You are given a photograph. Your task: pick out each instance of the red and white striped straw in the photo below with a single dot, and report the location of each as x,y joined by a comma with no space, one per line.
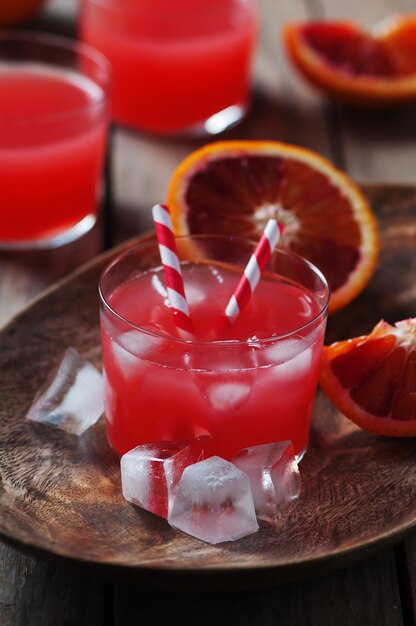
171,267
251,276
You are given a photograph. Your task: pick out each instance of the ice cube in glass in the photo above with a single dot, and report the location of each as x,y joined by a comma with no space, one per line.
72,398
213,502
274,477
228,396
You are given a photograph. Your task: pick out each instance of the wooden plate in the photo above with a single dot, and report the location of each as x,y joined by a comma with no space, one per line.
60,495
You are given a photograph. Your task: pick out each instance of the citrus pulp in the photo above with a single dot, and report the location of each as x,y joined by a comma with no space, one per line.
374,68
372,378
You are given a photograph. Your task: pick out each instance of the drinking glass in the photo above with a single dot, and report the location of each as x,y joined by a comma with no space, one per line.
54,110
180,66
257,388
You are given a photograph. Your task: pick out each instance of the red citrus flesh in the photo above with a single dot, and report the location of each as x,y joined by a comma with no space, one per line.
351,64
372,379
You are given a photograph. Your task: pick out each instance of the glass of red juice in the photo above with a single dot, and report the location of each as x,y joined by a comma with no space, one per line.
54,110
253,382
180,66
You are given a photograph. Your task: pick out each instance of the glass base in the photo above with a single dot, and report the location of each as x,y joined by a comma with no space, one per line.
75,232
214,125
219,122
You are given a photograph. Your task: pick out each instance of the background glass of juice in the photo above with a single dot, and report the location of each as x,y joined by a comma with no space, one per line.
254,383
180,66
54,113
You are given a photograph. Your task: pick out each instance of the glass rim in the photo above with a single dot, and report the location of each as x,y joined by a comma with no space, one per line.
79,49
216,343
140,10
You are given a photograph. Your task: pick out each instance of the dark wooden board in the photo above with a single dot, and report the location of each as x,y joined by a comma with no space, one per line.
366,593
60,496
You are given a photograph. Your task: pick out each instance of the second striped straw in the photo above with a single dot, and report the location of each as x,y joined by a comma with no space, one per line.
252,272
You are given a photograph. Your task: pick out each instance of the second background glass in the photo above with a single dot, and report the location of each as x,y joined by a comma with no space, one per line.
179,67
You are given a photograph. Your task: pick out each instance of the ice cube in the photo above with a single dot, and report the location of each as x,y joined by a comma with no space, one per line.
126,362
274,477
72,397
282,351
228,396
296,368
129,349
195,293
150,473
137,343
214,502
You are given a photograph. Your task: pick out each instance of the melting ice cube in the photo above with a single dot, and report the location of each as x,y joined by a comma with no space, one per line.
195,293
150,473
138,343
129,350
228,395
282,350
72,397
296,368
274,477
290,359
214,502
127,362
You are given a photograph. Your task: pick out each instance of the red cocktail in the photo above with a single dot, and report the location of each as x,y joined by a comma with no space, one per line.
53,123
178,66
255,384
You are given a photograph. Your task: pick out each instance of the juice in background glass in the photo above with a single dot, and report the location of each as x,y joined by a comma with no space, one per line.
179,65
53,124
255,386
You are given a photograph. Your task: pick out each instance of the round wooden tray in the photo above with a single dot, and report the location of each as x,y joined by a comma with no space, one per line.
60,495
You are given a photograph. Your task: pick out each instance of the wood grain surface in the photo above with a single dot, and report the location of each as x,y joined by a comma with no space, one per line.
61,494
333,599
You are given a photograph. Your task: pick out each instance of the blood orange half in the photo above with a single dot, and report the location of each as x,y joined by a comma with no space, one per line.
375,68
234,187
372,379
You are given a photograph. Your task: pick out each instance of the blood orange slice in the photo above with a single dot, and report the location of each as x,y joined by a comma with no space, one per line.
370,68
372,379
234,187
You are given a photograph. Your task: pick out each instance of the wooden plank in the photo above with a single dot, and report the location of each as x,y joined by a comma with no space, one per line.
14,568
24,274
406,568
364,595
34,593
367,13
410,550
285,108
377,146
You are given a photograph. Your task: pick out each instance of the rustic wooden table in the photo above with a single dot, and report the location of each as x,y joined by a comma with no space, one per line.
370,147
